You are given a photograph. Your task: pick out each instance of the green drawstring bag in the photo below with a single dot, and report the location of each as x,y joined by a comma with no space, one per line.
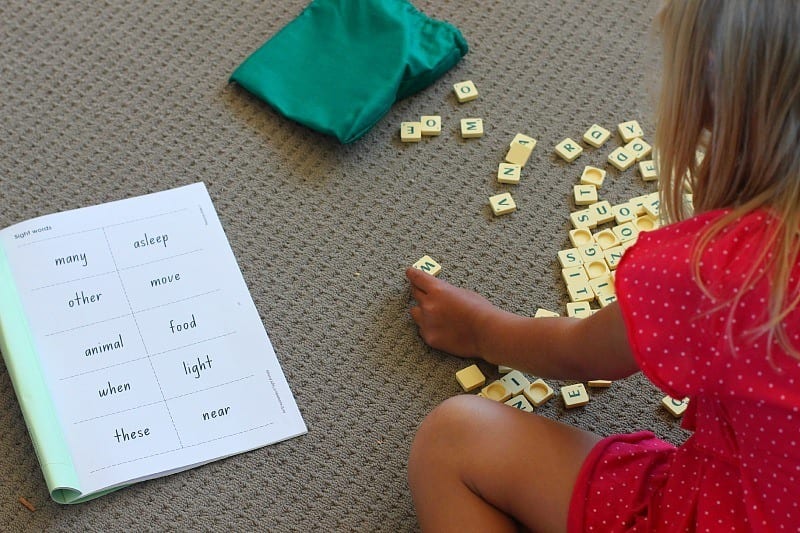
341,64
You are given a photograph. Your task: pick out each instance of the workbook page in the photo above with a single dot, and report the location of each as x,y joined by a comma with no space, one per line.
149,341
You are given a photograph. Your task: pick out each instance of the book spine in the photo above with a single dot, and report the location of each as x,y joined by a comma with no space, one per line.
35,400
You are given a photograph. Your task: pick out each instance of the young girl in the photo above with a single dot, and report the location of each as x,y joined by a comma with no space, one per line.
707,309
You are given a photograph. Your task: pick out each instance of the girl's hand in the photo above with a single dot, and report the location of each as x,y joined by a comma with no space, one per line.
449,318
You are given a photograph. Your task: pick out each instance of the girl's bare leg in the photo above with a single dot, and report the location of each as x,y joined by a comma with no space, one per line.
478,465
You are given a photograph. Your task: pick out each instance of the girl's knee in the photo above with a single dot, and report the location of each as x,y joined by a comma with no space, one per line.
439,435
464,425
452,417
451,425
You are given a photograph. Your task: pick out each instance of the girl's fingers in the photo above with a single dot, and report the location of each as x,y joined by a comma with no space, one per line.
419,279
416,314
416,293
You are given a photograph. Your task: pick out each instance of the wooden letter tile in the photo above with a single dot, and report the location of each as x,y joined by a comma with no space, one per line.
640,148
596,136
602,212
630,130
606,239
651,206
574,395
465,91
515,381
580,291
574,274
606,299
625,231
580,237
471,128
524,140
675,407
585,194
570,258
646,223
622,158
431,125
593,176
569,150
613,256
410,132
470,378
647,170
502,204
583,219
496,391
520,402
590,252
508,173
638,204
624,212
538,392
426,264
602,285
519,151
579,309
596,269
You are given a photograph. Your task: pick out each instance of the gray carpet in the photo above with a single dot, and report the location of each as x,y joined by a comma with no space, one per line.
105,100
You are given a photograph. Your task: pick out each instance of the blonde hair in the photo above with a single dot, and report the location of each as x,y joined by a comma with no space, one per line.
731,88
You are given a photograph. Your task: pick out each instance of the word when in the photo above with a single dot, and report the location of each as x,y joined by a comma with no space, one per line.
113,389
182,327
123,436
28,233
82,299
163,280
105,347
196,369
77,258
149,241
216,413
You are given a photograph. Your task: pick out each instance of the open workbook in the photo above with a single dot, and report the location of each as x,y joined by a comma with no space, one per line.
134,345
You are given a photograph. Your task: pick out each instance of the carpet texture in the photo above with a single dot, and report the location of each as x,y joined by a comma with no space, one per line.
105,100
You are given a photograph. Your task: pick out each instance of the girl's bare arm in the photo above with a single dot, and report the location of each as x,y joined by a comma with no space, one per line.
464,323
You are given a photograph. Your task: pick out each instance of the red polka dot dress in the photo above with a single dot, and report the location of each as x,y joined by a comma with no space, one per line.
740,469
